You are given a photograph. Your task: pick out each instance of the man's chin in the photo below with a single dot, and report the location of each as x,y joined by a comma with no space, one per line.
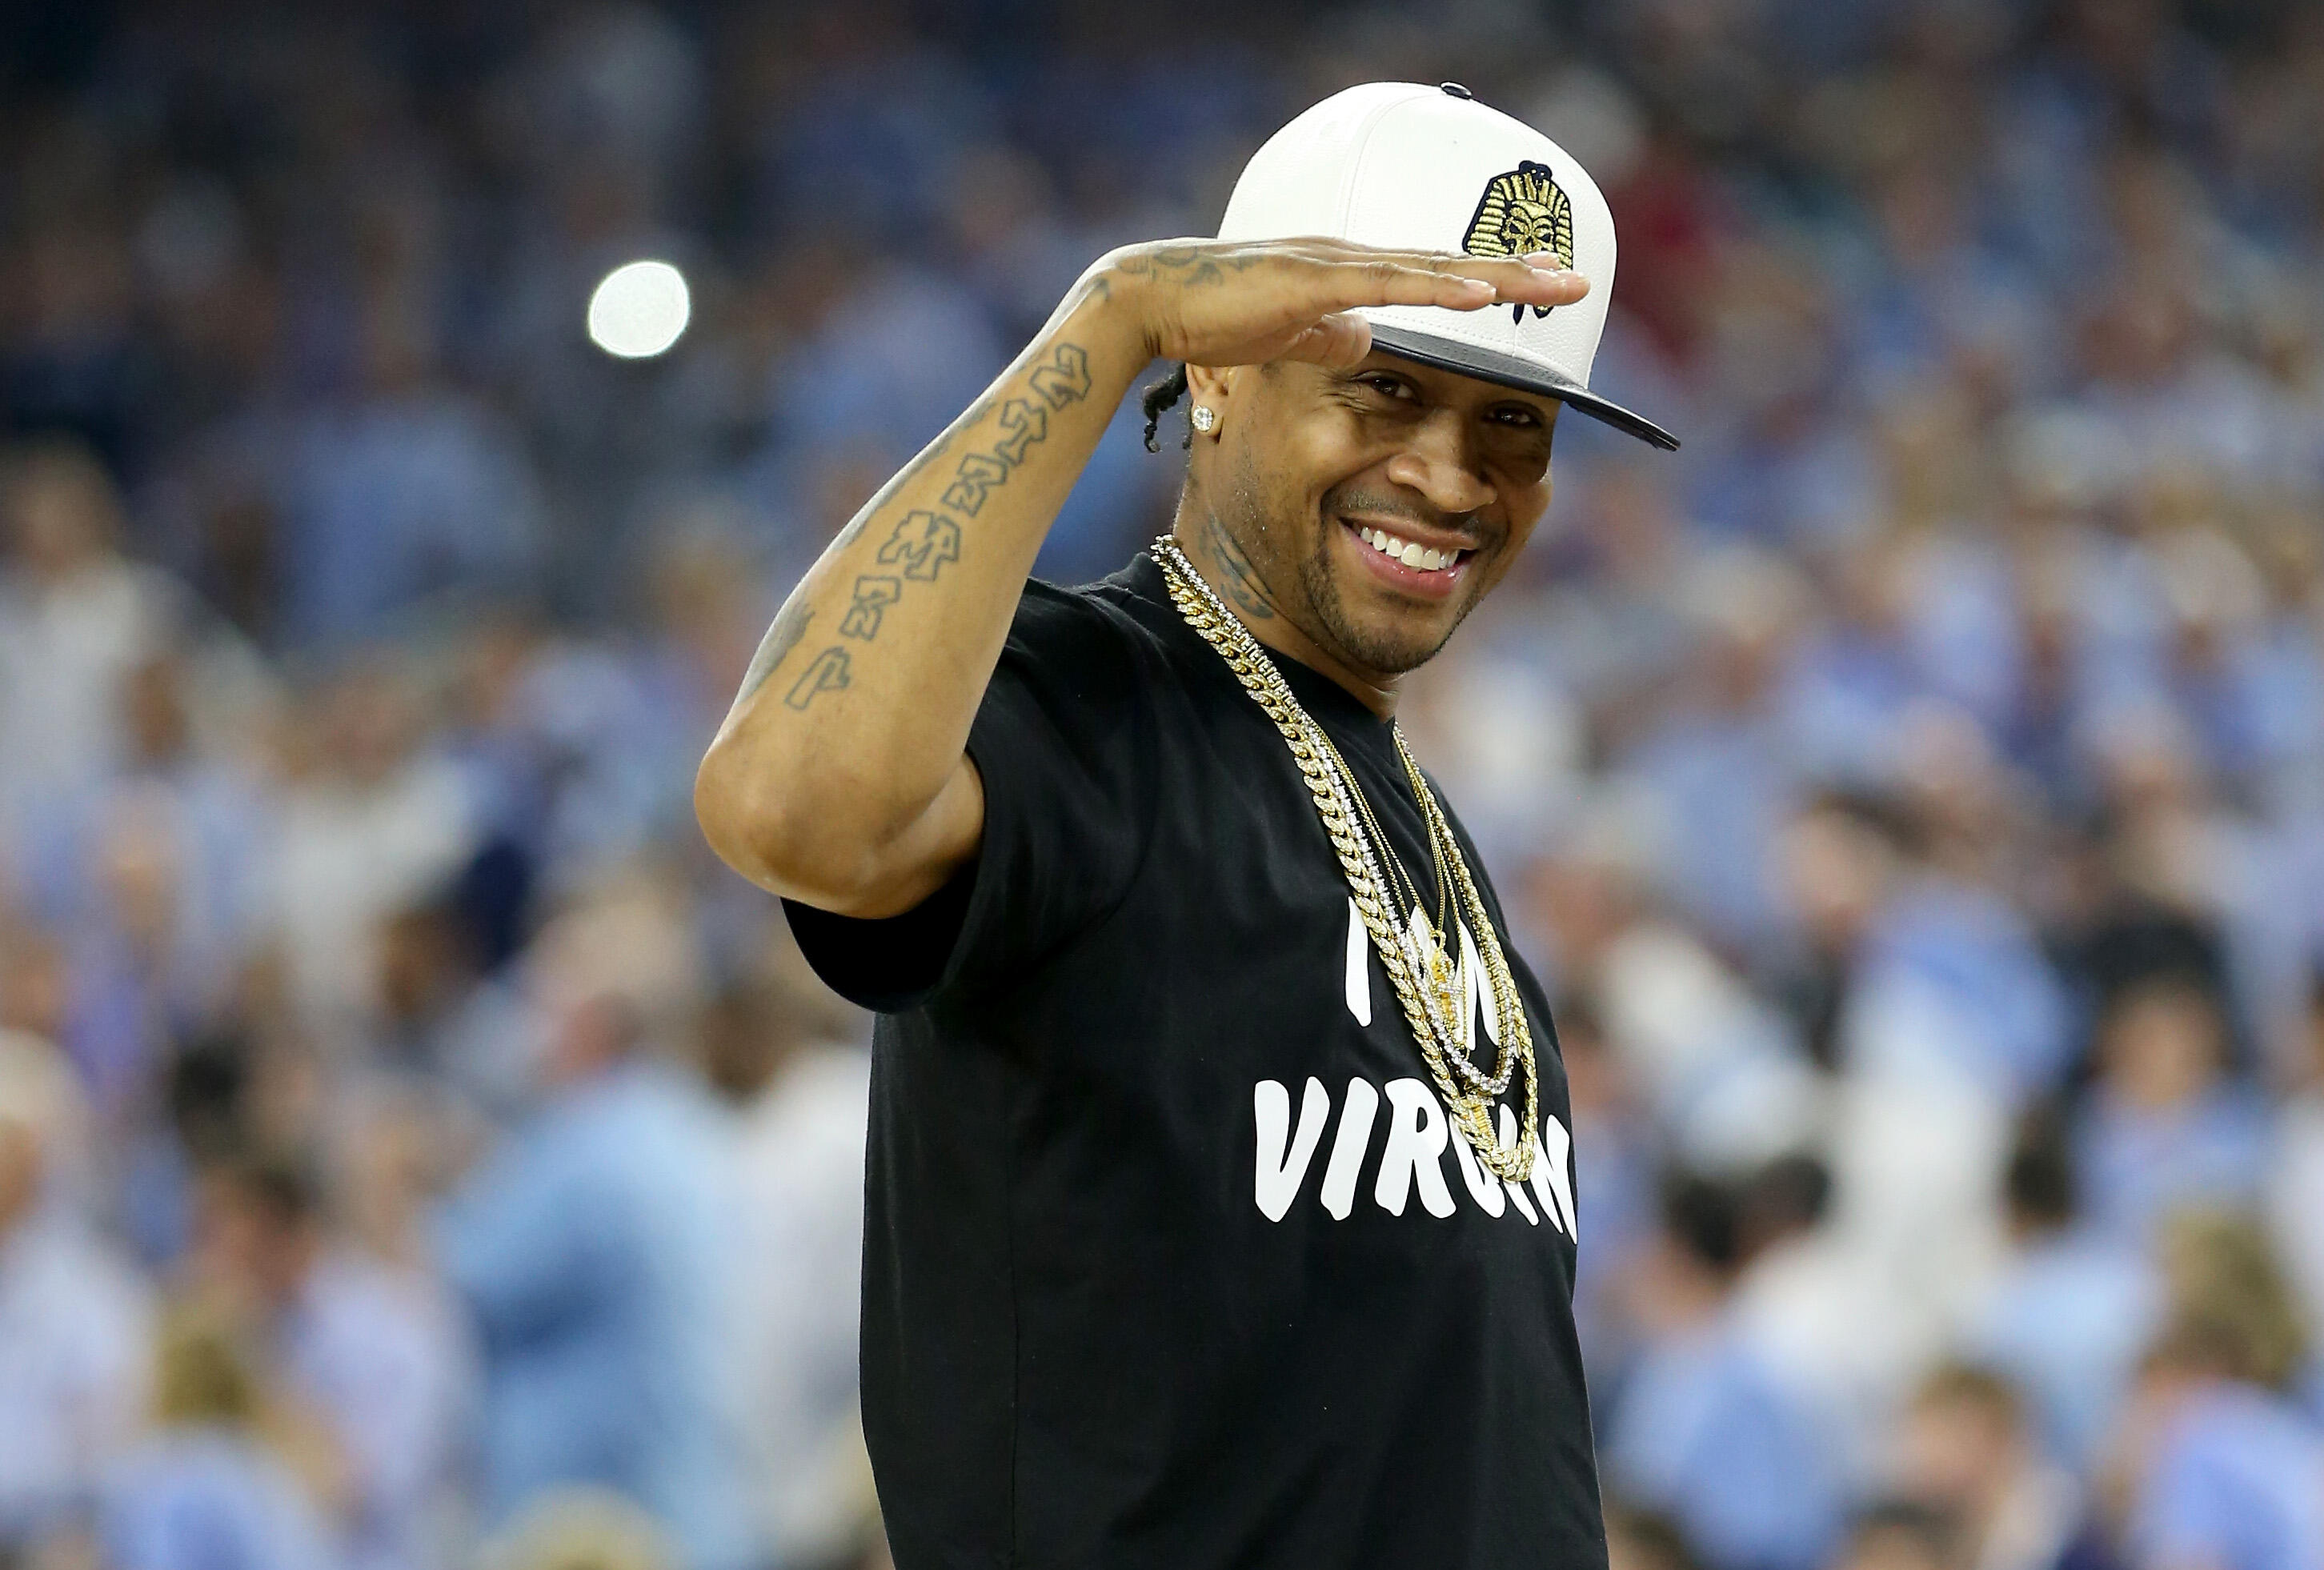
1376,632
1390,642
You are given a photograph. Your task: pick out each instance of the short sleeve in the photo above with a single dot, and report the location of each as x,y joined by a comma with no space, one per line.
1064,743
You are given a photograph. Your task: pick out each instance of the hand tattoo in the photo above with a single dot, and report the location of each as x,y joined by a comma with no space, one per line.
1190,267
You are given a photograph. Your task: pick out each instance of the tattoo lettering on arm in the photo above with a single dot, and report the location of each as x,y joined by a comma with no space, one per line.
927,459
827,674
789,626
874,593
927,538
1026,422
921,545
978,474
1065,379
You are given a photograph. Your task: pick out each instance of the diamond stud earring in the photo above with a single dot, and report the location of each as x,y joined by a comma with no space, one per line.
1203,417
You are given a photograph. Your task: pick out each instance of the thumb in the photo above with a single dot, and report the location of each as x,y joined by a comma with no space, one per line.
1340,340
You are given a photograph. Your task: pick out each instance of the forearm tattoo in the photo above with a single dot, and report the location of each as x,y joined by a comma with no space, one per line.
927,540
789,627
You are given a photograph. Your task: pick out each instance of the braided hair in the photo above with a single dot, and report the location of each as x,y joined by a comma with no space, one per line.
1159,398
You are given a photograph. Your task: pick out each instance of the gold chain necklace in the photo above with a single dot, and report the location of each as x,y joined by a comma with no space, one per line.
1428,976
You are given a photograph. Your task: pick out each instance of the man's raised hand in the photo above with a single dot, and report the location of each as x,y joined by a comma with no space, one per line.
1237,302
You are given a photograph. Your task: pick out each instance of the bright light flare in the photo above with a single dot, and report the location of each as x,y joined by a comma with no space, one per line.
640,309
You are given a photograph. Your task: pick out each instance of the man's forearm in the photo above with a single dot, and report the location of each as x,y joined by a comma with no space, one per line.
853,717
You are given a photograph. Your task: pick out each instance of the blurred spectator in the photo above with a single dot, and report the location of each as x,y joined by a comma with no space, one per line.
565,753
139,980
1639,1539
1814,1306
372,1351
1710,1058
1903,1535
2221,1272
372,816
1927,998
2166,1126
73,1318
2214,1469
2295,1194
2071,1307
1943,980
406,499
75,615
1721,766
170,774
802,1104
594,1248
441,1018
575,1529
1705,1430
1965,1448
156,875
203,1491
1614,1141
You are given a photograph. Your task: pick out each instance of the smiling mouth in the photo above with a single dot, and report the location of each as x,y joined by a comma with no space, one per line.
1409,553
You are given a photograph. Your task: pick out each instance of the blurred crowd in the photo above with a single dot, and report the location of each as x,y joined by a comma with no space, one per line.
416,1152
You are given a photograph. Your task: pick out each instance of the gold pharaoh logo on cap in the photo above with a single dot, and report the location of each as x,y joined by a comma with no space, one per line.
1523,213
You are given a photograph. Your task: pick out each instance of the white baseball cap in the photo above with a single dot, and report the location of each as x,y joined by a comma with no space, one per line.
1430,169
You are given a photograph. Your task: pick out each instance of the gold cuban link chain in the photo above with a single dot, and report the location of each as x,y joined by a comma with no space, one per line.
1418,960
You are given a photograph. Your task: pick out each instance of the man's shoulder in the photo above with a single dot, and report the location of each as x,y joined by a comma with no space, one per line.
1125,597
1104,633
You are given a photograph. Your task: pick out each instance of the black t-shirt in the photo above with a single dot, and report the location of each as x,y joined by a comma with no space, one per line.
1172,1258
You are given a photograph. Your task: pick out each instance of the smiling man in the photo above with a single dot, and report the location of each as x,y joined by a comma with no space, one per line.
1220,1204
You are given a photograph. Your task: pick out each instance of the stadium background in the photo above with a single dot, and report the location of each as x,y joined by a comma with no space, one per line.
415,1150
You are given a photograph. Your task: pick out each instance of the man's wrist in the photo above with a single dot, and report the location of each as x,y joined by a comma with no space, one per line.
1105,310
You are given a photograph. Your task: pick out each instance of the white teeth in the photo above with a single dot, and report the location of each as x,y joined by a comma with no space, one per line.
1403,550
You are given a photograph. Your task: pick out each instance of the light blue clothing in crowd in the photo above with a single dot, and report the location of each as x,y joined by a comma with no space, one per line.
397,503
74,1334
2237,1483
383,1356
1723,784
202,1499
2067,1322
2138,1166
1968,971
1705,1432
1844,701
591,1252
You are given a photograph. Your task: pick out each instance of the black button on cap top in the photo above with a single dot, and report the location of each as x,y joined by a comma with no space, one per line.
1456,89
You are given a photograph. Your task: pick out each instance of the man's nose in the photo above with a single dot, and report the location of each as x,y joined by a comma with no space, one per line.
1444,465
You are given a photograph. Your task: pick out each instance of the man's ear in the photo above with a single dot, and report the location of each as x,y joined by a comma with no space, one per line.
1213,384
1210,400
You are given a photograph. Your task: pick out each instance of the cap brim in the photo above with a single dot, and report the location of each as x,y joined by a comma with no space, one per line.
1508,371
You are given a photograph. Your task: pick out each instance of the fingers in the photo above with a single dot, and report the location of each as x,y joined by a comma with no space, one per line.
1295,298
1355,275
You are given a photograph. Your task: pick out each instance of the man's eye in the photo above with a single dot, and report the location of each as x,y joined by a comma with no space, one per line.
1388,387
1522,418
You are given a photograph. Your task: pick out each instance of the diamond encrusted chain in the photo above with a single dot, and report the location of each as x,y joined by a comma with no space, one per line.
1428,977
